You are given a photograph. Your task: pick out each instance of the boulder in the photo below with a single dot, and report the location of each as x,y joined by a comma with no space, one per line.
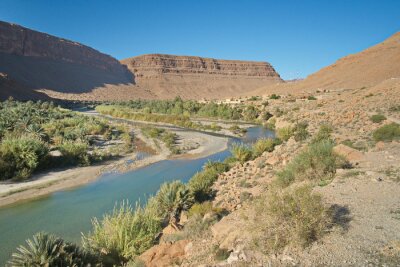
163,255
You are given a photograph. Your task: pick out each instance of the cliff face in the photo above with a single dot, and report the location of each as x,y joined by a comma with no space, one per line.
38,60
17,40
167,76
156,64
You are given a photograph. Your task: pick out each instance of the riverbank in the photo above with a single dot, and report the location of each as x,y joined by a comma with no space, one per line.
46,183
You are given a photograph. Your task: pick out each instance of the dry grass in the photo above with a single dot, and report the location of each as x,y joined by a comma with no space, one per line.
293,217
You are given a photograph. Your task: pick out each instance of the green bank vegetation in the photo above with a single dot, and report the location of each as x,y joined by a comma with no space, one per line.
169,138
38,135
290,214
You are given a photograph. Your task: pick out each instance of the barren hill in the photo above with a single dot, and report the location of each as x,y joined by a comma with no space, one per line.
197,77
365,69
166,76
37,60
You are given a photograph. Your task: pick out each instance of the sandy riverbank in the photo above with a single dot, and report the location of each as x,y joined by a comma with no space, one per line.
56,180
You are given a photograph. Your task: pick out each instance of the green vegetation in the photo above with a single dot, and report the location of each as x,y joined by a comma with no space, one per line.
317,163
178,120
167,137
123,234
300,131
185,108
324,133
274,96
377,118
284,133
388,132
292,217
30,132
241,152
200,184
264,145
171,199
311,97
48,250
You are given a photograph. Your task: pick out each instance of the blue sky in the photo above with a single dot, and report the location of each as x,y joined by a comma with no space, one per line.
296,37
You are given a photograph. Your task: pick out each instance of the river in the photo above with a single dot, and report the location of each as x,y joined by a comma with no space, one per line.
68,213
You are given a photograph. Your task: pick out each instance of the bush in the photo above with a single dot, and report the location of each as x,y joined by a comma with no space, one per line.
292,217
241,152
377,118
200,184
75,153
171,199
123,234
274,96
21,156
285,133
324,133
264,145
300,131
49,250
311,97
317,162
387,132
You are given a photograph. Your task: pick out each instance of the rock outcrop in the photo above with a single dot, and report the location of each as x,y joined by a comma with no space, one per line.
157,64
166,76
41,61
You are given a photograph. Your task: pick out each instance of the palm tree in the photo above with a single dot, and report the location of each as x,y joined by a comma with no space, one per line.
43,250
46,250
172,198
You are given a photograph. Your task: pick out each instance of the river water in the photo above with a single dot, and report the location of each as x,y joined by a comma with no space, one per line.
68,213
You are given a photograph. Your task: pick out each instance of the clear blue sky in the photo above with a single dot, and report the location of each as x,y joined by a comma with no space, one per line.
296,37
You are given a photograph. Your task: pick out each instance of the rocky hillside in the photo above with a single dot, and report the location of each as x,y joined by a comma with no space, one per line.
38,60
365,69
166,76
156,64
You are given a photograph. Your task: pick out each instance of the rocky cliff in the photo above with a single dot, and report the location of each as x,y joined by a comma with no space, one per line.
156,64
39,60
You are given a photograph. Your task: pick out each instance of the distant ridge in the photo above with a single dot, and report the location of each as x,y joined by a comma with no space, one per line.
38,60
364,69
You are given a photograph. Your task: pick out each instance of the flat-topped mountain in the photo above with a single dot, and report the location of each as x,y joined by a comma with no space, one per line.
38,60
157,64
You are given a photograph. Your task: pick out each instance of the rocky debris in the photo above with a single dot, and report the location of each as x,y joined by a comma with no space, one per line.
164,255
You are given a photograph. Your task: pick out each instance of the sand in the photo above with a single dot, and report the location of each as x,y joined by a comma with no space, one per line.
56,180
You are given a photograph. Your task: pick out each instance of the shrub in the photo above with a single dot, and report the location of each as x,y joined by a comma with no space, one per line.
274,96
123,234
171,199
200,184
317,162
285,133
387,132
311,97
300,131
377,118
221,254
324,133
75,153
271,124
264,145
47,250
292,217
241,152
21,156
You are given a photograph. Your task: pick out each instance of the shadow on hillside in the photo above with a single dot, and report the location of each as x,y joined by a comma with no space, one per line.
61,76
